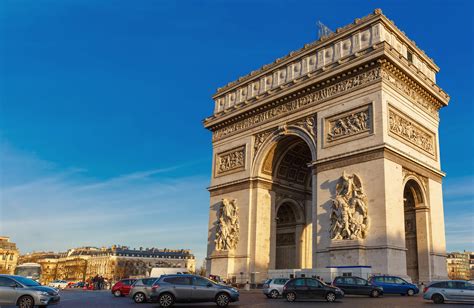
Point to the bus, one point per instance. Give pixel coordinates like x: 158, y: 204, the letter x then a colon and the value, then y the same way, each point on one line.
x: 29, y: 270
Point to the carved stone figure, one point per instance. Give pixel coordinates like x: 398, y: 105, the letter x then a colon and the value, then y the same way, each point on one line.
x: 227, y: 233
x: 348, y: 125
x: 229, y: 161
x: 410, y: 131
x: 349, y: 215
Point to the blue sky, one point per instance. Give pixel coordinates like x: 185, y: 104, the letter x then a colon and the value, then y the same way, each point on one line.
x: 102, y: 101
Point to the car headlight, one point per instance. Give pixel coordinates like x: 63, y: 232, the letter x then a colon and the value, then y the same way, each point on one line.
x: 235, y: 290
x: 43, y: 293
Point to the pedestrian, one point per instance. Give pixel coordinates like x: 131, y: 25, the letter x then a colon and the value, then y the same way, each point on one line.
x: 247, y: 286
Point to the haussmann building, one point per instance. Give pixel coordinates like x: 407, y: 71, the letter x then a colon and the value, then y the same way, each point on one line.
x: 329, y: 157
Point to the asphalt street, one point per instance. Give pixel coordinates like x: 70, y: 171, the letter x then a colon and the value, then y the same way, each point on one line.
x: 254, y: 298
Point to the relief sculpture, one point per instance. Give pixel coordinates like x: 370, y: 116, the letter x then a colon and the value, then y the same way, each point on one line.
x: 232, y: 160
x: 348, y: 125
x: 227, y: 233
x: 349, y: 217
x: 407, y: 129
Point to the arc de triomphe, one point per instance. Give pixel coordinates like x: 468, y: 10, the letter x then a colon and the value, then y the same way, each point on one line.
x: 329, y: 156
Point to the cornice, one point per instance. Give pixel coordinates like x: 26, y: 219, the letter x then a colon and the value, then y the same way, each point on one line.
x: 334, y: 38
x: 379, y: 68
x: 322, y: 76
x: 307, y: 48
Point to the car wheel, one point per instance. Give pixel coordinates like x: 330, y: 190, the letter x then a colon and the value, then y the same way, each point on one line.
x: 374, y: 293
x: 222, y: 300
x: 437, y: 299
x: 26, y: 302
x: 274, y: 294
x: 166, y: 300
x: 410, y: 292
x: 330, y: 297
x: 139, y: 298
x: 117, y: 293
x: 291, y: 297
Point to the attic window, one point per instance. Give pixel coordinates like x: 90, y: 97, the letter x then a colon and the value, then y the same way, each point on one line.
x: 410, y: 56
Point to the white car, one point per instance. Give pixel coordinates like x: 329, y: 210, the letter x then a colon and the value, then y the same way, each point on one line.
x: 58, y: 284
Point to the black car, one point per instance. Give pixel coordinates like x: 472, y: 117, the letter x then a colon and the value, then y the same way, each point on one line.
x: 357, y: 286
x: 310, y: 288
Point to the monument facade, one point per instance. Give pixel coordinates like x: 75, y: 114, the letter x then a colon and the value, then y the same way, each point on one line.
x: 329, y: 156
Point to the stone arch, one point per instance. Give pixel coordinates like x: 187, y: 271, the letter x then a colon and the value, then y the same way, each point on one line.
x: 280, y: 165
x: 289, y: 226
x: 417, y: 188
x: 273, y: 138
x: 417, y: 233
x: 297, y: 209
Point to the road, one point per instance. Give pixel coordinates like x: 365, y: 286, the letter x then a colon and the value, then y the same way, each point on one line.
x: 103, y: 299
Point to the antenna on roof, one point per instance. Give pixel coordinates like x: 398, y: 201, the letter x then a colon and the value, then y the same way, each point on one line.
x: 323, y: 30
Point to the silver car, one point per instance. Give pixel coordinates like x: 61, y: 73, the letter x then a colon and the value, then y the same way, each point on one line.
x: 141, y: 290
x: 25, y: 293
x: 449, y: 290
x: 273, y: 288
x: 170, y: 289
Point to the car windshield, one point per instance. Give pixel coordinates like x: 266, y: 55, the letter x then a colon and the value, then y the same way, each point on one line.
x: 27, y: 282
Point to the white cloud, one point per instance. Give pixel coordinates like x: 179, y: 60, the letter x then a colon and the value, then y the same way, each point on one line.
x: 46, y: 209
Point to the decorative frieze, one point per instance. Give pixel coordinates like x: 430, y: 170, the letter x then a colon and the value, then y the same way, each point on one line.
x: 319, y: 55
x: 356, y: 122
x: 403, y: 127
x: 408, y: 87
x: 349, y: 84
x: 230, y: 161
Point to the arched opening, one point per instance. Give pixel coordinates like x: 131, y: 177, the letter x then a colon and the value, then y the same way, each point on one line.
x: 286, y: 167
x: 286, y: 256
x: 413, y: 199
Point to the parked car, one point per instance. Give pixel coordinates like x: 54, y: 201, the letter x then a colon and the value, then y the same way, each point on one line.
x: 25, y: 292
x: 394, y: 285
x: 449, y: 290
x: 79, y: 284
x: 310, y: 288
x: 58, y: 284
x: 170, y: 289
x: 141, y: 290
x: 122, y: 287
x: 357, y: 286
x: 273, y: 288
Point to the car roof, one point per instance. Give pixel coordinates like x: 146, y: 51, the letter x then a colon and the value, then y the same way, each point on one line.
x: 11, y: 276
x: 348, y: 277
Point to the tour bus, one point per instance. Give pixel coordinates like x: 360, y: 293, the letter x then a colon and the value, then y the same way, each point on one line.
x: 29, y: 270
